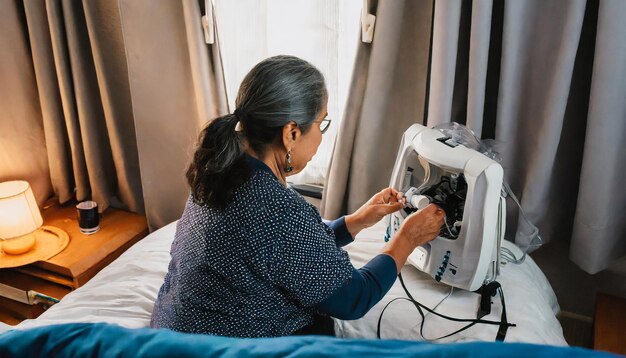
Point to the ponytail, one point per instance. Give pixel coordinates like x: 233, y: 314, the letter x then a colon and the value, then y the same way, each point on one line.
x: 219, y: 165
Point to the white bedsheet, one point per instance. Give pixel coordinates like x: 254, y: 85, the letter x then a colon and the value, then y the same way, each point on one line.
x: 124, y: 293
x: 530, y: 302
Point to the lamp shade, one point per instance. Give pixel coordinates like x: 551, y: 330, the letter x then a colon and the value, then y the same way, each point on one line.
x: 19, y: 213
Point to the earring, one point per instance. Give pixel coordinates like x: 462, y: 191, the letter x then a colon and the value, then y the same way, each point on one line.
x: 288, y: 167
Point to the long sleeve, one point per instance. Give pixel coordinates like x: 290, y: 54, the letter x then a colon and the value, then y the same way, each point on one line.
x: 342, y: 235
x: 360, y: 293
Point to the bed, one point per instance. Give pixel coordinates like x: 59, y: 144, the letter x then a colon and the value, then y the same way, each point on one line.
x: 124, y: 292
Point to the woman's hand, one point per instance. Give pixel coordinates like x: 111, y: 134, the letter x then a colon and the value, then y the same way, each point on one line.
x: 416, y: 230
x: 384, y: 202
x: 422, y: 226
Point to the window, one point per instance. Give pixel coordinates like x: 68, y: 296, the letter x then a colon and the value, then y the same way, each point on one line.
x: 323, y: 32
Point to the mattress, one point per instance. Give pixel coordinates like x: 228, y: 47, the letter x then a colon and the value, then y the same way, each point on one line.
x: 124, y: 292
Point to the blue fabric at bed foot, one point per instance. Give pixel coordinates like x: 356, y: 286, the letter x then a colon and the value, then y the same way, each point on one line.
x: 105, y: 340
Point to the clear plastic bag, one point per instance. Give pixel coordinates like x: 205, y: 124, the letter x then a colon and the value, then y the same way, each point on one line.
x: 465, y: 136
x: 527, y: 236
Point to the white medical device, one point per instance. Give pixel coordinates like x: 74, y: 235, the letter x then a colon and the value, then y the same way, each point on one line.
x: 432, y: 167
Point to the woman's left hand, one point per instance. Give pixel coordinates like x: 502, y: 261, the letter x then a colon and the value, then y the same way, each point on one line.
x: 384, y: 202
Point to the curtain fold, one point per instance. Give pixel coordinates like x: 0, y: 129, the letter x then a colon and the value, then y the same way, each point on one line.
x: 478, y: 58
x: 445, y: 35
x: 21, y: 129
x: 85, y: 105
x: 58, y: 150
x: 600, y: 224
x: 111, y: 70
x: 519, y: 72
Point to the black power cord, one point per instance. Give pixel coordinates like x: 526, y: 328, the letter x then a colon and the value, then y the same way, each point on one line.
x: 503, y: 323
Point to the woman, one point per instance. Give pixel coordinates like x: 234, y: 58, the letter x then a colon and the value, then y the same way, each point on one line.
x: 251, y: 258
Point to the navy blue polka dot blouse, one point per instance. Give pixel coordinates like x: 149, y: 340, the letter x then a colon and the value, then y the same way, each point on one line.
x: 263, y: 267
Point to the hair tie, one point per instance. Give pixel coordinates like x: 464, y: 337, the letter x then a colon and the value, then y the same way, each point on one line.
x: 239, y: 126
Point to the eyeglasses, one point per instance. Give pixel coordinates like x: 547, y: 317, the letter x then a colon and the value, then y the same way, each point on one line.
x: 324, y: 125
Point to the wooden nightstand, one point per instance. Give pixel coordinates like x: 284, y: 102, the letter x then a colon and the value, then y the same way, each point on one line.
x: 84, y: 256
x: 609, y: 333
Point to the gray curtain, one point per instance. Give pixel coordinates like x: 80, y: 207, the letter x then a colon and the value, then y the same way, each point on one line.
x: 599, y: 235
x: 104, y: 100
x: 545, y: 79
x: 177, y: 86
x: 80, y: 66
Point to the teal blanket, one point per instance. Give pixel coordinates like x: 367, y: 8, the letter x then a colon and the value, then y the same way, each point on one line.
x: 106, y: 340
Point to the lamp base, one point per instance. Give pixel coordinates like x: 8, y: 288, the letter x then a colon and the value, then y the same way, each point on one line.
x: 49, y: 241
x: 19, y: 245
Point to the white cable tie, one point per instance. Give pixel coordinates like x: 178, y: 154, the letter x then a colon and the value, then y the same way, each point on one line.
x: 367, y: 23
x: 207, y: 23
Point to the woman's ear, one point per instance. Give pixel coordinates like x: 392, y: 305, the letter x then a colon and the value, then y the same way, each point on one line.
x: 291, y: 134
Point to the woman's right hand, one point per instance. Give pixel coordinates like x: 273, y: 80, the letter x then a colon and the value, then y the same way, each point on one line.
x: 422, y: 226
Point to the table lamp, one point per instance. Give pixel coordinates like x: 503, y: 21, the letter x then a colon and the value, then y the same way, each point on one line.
x: 19, y: 217
x: 23, y: 239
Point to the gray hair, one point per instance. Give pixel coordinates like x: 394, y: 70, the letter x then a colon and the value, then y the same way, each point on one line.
x: 276, y: 91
